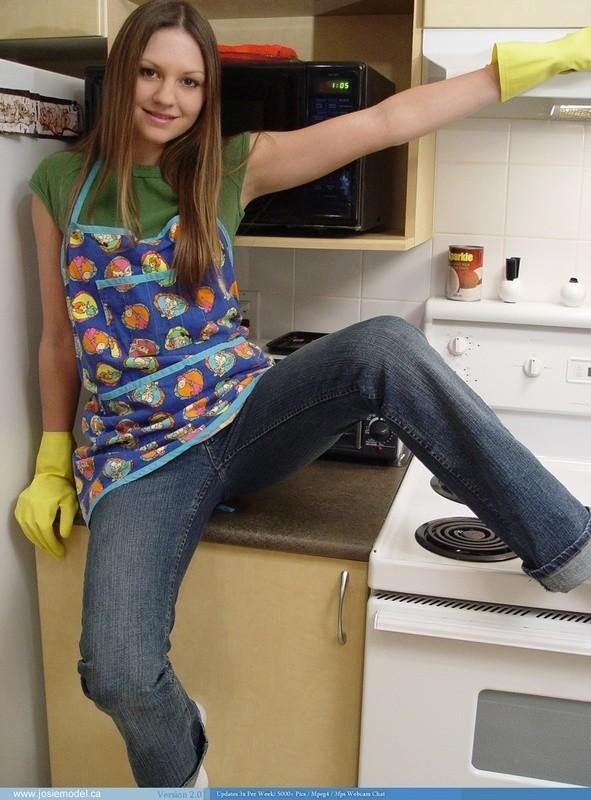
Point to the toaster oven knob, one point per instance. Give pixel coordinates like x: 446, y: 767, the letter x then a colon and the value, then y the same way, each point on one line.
x: 533, y: 367
x: 379, y: 430
x: 458, y: 345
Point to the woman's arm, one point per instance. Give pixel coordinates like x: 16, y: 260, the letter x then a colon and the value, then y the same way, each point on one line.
x: 58, y: 375
x: 280, y: 160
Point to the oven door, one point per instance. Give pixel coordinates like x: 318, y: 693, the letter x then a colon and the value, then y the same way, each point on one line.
x: 459, y: 693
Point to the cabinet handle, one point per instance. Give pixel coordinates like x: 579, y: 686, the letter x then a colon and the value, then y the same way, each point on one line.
x: 341, y: 635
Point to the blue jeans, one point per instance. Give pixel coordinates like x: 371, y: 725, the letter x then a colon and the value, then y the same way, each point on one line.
x: 143, y: 534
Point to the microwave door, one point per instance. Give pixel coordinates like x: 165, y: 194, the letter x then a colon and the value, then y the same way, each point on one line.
x: 262, y: 96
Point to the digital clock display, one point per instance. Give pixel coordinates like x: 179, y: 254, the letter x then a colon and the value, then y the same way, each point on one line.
x: 333, y: 86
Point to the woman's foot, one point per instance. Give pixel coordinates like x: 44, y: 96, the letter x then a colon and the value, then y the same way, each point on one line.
x: 202, y: 781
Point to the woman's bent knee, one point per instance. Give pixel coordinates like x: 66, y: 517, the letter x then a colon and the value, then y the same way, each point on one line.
x: 115, y: 689
x: 380, y: 339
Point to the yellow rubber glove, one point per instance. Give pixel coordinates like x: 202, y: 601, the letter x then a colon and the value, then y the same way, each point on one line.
x: 51, y: 491
x: 523, y: 65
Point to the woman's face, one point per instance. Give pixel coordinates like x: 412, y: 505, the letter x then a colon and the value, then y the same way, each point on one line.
x: 169, y: 93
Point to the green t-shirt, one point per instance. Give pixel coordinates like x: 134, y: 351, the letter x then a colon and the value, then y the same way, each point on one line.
x: 158, y: 203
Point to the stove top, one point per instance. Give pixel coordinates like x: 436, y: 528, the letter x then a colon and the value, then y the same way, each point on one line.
x: 532, y: 364
x: 462, y: 538
x: 399, y: 563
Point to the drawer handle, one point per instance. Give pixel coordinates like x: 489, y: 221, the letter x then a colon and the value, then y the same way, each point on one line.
x: 341, y: 635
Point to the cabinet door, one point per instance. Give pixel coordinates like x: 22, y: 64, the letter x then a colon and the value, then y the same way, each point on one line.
x: 31, y: 19
x: 506, y: 14
x: 254, y: 641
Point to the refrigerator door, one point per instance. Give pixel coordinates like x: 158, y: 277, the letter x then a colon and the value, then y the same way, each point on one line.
x: 23, y: 756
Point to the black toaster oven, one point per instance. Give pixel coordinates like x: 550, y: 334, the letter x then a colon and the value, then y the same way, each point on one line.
x: 371, y: 439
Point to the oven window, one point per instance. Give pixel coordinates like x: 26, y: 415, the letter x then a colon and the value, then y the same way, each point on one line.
x: 533, y: 736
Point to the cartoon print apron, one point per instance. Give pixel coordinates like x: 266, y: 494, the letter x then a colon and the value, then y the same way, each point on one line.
x: 164, y: 373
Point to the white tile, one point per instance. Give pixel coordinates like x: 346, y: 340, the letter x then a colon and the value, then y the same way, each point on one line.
x: 271, y: 269
x: 543, y: 201
x: 242, y: 266
x: 545, y: 265
x: 328, y: 272
x: 275, y: 315
x: 546, y: 142
x: 324, y: 314
x: 582, y: 268
x: 411, y: 312
x: 481, y: 140
x: 397, y: 276
x: 493, y: 261
x: 470, y: 197
x: 585, y: 210
x: 587, y: 150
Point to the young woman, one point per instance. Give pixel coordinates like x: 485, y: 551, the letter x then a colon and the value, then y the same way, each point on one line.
x: 183, y: 410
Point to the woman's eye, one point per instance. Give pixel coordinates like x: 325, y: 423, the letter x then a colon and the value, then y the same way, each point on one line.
x: 190, y: 82
x: 147, y: 72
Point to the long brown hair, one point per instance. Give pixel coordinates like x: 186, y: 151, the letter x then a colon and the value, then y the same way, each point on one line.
x: 191, y: 163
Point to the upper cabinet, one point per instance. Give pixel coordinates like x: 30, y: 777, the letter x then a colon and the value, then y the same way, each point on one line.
x: 507, y: 14
x: 72, y: 19
x: 25, y: 20
x: 384, y: 33
x: 61, y: 35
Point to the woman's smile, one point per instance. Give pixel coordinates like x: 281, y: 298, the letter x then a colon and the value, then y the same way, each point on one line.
x: 159, y: 118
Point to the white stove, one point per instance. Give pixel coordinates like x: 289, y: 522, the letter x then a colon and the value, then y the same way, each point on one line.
x: 474, y: 674
x: 400, y: 563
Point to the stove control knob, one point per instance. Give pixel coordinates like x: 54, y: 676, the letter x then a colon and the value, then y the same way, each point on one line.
x: 533, y: 367
x: 379, y: 430
x: 457, y: 345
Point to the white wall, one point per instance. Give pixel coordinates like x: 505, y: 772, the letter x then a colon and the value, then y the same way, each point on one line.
x: 518, y: 188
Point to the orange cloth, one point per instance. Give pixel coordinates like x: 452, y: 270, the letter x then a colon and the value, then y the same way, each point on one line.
x: 255, y: 52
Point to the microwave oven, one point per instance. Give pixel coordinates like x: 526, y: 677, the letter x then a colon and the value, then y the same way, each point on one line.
x: 285, y: 95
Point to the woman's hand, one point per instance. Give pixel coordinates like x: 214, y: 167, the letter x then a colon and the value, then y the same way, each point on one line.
x: 51, y: 492
x: 523, y: 65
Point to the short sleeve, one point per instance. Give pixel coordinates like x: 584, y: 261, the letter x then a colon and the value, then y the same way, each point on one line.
x: 39, y: 184
x: 52, y: 182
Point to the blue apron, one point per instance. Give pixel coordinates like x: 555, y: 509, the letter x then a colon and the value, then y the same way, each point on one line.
x: 163, y: 372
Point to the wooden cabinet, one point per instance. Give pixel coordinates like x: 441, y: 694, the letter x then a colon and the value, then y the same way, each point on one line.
x: 506, y: 14
x: 255, y: 641
x: 45, y: 19
x: 50, y: 19
x: 63, y: 35
x: 386, y: 34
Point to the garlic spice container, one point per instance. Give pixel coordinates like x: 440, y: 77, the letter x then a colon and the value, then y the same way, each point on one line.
x: 464, y: 280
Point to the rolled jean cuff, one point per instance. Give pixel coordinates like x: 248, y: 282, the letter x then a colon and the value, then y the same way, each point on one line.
x: 192, y: 780
x: 568, y: 569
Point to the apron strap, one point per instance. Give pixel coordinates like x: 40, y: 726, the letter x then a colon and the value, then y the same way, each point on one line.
x: 84, y: 192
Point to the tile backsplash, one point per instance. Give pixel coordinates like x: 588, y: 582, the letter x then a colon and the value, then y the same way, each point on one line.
x: 517, y: 188
x: 324, y: 290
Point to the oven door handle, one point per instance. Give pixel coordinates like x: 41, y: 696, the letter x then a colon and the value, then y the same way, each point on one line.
x: 532, y: 629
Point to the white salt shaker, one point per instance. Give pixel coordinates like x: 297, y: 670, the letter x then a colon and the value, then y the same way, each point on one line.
x: 572, y: 293
x: 511, y: 288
